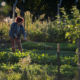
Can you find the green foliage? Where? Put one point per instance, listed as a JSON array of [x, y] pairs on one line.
[[62, 29], [41, 64], [44, 58], [46, 32], [71, 26], [68, 47], [35, 71], [28, 45], [10, 57]]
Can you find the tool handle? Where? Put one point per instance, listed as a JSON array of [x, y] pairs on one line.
[[40, 44]]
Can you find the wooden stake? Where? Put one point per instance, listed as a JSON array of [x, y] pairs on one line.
[[78, 46], [58, 50]]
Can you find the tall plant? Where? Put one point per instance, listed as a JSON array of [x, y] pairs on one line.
[[71, 26]]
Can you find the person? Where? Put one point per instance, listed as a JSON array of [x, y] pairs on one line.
[[15, 33]]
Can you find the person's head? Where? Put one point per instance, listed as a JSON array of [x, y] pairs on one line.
[[19, 20]]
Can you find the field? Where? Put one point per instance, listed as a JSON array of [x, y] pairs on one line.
[[38, 62]]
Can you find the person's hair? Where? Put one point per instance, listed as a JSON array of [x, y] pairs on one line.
[[19, 19]]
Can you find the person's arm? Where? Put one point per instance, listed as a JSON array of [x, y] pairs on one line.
[[24, 34], [13, 29]]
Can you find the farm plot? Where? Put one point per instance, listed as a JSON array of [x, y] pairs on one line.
[[40, 62]]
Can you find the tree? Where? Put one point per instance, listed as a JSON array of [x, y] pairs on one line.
[[38, 7]]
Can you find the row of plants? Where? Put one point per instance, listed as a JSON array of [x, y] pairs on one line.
[[63, 46], [44, 58], [28, 46], [35, 71], [53, 52], [42, 64], [47, 59]]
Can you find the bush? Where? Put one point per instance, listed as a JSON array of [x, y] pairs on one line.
[[46, 32], [62, 29]]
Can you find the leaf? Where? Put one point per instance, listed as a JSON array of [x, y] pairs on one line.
[[41, 16], [67, 34]]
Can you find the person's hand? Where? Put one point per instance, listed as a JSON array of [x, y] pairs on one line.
[[25, 39], [16, 37]]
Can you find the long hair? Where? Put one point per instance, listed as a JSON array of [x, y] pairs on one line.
[[19, 19]]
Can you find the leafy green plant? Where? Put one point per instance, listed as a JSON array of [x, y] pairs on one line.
[[40, 58], [35, 71], [71, 25], [1, 33]]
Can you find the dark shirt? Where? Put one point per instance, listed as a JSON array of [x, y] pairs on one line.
[[13, 31]]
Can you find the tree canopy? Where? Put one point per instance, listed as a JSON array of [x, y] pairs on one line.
[[38, 7]]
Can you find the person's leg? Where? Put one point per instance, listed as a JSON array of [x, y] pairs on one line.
[[12, 44], [18, 41]]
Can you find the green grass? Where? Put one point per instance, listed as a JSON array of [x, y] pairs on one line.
[[30, 46], [63, 46]]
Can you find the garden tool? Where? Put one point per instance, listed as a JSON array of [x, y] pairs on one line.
[[40, 44]]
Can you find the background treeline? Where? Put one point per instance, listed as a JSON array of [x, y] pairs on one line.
[[38, 7]]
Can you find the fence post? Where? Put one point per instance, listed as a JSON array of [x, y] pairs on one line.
[[58, 50], [13, 12], [57, 9], [78, 46], [24, 12]]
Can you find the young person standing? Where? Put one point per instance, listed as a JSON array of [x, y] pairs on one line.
[[15, 33]]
